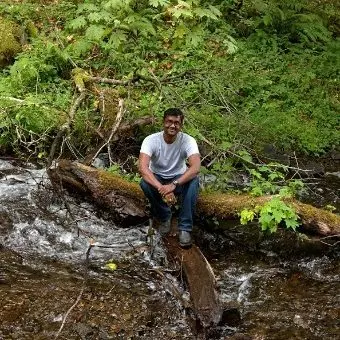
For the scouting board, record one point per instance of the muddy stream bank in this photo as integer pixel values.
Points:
(42, 269)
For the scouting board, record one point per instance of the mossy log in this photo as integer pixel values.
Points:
(10, 46)
(128, 203)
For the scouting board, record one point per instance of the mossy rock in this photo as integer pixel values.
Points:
(10, 46)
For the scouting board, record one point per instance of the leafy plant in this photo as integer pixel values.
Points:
(117, 169)
(271, 215)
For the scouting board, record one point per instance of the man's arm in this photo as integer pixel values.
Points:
(145, 172)
(193, 169)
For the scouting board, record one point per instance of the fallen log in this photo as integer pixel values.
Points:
(201, 282)
(123, 199)
(128, 204)
(199, 277)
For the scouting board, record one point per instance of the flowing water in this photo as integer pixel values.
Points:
(43, 246)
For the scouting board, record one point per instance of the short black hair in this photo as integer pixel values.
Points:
(173, 112)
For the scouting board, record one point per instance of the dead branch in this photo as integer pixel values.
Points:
(110, 81)
(123, 129)
(87, 260)
(65, 128)
(113, 131)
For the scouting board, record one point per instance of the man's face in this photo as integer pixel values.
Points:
(172, 125)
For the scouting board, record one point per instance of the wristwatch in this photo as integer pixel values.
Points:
(175, 183)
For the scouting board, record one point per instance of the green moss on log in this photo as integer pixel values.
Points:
(10, 46)
(223, 206)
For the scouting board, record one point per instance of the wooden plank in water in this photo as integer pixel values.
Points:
(200, 279)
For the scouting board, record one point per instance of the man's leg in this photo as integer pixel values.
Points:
(159, 208)
(189, 194)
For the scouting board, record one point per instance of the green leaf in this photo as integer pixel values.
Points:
(180, 31)
(226, 145)
(257, 191)
(203, 12)
(95, 32)
(78, 23)
(183, 4)
(87, 8)
(194, 36)
(178, 12)
(156, 3)
(80, 47)
(278, 215)
(96, 17)
(247, 216)
(113, 4)
(116, 39)
(215, 10)
(111, 266)
(267, 19)
(291, 223)
(245, 155)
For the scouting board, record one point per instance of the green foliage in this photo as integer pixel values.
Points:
(115, 25)
(271, 215)
(117, 169)
(246, 73)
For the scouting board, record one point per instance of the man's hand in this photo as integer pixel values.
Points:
(166, 189)
(170, 199)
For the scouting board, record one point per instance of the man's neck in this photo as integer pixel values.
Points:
(169, 139)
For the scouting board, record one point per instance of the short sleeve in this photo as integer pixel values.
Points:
(191, 147)
(147, 146)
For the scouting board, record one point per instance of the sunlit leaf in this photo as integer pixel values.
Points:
(156, 3)
(95, 32)
(111, 266)
(79, 22)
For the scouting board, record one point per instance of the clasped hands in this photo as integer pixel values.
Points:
(167, 193)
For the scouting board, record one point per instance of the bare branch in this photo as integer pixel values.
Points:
(114, 128)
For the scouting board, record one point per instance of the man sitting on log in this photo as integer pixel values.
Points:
(162, 165)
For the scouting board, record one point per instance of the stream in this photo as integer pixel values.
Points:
(129, 290)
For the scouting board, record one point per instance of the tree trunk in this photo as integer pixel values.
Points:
(128, 204)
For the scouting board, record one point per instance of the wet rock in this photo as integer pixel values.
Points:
(231, 317)
(101, 161)
(272, 154)
(85, 331)
(3, 279)
(6, 222)
(239, 336)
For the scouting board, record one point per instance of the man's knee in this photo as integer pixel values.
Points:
(194, 183)
(145, 186)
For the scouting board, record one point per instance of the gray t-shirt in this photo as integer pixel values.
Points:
(168, 160)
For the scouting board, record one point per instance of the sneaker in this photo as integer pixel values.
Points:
(185, 238)
(164, 227)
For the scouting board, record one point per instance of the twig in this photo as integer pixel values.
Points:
(114, 129)
(25, 102)
(65, 127)
(110, 81)
(327, 237)
(81, 291)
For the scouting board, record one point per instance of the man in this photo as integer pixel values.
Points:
(162, 165)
